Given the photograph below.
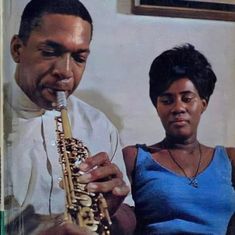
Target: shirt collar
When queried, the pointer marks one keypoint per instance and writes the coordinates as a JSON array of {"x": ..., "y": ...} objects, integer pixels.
[{"x": 20, "y": 102}]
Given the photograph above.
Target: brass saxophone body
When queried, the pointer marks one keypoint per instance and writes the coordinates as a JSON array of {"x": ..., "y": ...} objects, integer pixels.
[{"x": 83, "y": 208}]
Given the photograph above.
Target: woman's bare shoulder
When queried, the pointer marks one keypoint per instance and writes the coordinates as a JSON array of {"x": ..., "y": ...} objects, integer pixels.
[
  {"x": 129, "y": 156},
  {"x": 129, "y": 151},
  {"x": 231, "y": 154}
]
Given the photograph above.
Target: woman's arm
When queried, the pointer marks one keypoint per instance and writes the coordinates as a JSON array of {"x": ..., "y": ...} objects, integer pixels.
[
  {"x": 123, "y": 221},
  {"x": 129, "y": 155},
  {"x": 231, "y": 154}
]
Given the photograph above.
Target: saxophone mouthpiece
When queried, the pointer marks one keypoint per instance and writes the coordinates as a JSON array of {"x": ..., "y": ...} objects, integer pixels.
[{"x": 61, "y": 99}]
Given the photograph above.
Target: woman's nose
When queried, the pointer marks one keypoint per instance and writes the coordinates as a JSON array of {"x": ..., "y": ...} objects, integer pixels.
[
  {"x": 63, "y": 68},
  {"x": 178, "y": 107}
]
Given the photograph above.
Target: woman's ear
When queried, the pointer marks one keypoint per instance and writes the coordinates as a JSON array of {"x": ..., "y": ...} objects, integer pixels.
[
  {"x": 156, "y": 107},
  {"x": 204, "y": 105},
  {"x": 16, "y": 48}
]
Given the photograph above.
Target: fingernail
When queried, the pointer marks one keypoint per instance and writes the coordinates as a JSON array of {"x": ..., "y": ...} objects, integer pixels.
[
  {"x": 84, "y": 178},
  {"x": 117, "y": 190},
  {"x": 92, "y": 187},
  {"x": 83, "y": 166}
]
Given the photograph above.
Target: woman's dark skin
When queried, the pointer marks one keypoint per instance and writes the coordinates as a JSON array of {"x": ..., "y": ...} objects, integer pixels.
[{"x": 180, "y": 108}]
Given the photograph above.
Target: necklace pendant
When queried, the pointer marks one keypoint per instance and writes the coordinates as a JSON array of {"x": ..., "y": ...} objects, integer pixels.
[
  {"x": 192, "y": 180},
  {"x": 193, "y": 183}
]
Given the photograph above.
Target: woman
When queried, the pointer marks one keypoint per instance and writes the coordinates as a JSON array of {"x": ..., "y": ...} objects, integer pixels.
[{"x": 179, "y": 185}]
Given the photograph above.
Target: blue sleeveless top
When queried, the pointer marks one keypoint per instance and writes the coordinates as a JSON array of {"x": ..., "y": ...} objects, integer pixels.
[{"x": 166, "y": 204}]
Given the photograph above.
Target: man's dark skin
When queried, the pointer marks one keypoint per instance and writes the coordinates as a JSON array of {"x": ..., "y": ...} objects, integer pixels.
[{"x": 54, "y": 58}]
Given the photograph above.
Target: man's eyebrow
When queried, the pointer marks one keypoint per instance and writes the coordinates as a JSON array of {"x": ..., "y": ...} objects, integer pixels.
[
  {"x": 53, "y": 44},
  {"x": 82, "y": 51},
  {"x": 62, "y": 48}
]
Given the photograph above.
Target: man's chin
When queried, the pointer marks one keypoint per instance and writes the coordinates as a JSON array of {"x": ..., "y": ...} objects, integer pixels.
[
  {"x": 46, "y": 105},
  {"x": 52, "y": 106}
]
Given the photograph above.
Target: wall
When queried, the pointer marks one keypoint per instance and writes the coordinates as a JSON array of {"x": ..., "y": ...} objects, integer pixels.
[{"x": 123, "y": 47}]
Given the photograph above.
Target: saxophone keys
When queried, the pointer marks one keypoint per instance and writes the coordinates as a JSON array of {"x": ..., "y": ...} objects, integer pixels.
[
  {"x": 85, "y": 200},
  {"x": 88, "y": 219}
]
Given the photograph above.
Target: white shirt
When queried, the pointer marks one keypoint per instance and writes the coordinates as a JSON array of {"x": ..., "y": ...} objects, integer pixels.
[{"x": 32, "y": 163}]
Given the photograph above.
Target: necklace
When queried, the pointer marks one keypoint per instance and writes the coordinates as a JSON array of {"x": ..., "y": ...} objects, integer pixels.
[{"x": 192, "y": 180}]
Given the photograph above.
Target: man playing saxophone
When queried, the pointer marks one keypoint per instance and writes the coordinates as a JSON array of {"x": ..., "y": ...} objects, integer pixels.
[{"x": 50, "y": 51}]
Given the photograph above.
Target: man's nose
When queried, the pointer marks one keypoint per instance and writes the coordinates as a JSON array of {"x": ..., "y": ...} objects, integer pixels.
[{"x": 63, "y": 67}]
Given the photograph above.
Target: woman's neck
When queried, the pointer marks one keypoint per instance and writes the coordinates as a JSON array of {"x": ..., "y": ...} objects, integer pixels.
[{"x": 177, "y": 143}]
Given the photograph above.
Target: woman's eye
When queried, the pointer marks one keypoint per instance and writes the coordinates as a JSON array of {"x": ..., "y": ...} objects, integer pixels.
[
  {"x": 166, "y": 101},
  {"x": 187, "y": 99}
]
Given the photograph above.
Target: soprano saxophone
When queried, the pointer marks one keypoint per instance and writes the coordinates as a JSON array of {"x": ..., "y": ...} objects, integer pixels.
[{"x": 83, "y": 208}]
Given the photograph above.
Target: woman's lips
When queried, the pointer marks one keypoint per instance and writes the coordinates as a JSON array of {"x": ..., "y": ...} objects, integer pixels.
[{"x": 179, "y": 122}]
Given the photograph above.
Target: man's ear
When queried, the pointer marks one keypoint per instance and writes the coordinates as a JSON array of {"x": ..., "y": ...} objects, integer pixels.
[
  {"x": 16, "y": 48},
  {"x": 204, "y": 105}
]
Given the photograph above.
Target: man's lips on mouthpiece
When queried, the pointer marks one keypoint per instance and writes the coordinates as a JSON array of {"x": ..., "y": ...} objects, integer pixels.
[
  {"x": 49, "y": 94},
  {"x": 53, "y": 91}
]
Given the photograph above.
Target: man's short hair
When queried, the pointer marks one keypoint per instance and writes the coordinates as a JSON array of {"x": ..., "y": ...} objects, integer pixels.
[{"x": 35, "y": 9}]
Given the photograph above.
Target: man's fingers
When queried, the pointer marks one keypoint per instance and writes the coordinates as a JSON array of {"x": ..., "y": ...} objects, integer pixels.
[
  {"x": 99, "y": 159},
  {"x": 121, "y": 190},
  {"x": 104, "y": 173},
  {"x": 116, "y": 185}
]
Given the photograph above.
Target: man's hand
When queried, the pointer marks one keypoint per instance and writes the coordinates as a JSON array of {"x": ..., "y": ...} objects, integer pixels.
[
  {"x": 67, "y": 229},
  {"x": 103, "y": 176}
]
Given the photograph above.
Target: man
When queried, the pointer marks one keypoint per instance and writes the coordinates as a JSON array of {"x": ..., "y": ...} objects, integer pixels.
[{"x": 51, "y": 51}]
